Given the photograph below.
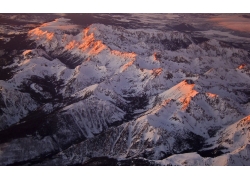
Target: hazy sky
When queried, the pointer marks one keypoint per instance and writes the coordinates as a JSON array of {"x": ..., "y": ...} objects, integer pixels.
[{"x": 236, "y": 22}]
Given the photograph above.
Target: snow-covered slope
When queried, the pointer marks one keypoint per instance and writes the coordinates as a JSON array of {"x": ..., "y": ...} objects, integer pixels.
[
  {"x": 231, "y": 147},
  {"x": 126, "y": 95}
]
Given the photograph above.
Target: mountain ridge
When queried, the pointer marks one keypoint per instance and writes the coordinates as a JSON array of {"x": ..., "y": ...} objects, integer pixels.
[{"x": 122, "y": 95}]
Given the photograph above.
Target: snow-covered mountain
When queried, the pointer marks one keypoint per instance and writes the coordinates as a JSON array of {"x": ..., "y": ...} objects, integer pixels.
[{"x": 109, "y": 95}]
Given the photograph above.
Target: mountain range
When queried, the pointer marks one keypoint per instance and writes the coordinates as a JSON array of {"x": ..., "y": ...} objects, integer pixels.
[{"x": 110, "y": 95}]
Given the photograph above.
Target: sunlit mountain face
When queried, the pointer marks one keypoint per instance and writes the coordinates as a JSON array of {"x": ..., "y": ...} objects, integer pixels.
[{"x": 124, "y": 89}]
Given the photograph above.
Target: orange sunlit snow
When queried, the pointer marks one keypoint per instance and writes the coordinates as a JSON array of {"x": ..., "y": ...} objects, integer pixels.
[
  {"x": 165, "y": 102},
  {"x": 242, "y": 66},
  {"x": 26, "y": 52},
  {"x": 97, "y": 47},
  {"x": 157, "y": 72},
  {"x": 123, "y": 54},
  {"x": 211, "y": 95},
  {"x": 186, "y": 98},
  {"x": 40, "y": 34},
  {"x": 71, "y": 45},
  {"x": 155, "y": 57},
  {"x": 89, "y": 42},
  {"x": 245, "y": 121},
  {"x": 125, "y": 66}
]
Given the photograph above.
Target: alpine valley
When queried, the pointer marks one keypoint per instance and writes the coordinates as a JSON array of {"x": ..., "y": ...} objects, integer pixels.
[{"x": 123, "y": 89}]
